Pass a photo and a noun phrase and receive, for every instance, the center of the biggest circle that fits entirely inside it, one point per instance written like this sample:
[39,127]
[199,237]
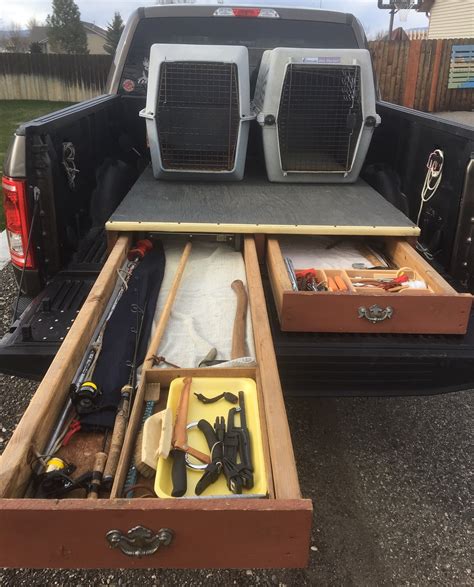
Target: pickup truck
[67,245]
[69,175]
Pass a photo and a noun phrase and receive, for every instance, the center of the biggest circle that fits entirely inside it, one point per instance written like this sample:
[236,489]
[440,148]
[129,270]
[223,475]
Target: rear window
[257,34]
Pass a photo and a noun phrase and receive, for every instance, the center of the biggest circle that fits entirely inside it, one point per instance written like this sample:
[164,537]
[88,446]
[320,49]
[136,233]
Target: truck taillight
[16,220]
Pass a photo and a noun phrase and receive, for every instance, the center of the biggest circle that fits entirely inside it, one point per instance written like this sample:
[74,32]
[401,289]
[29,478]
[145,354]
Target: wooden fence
[416,74]
[411,73]
[68,78]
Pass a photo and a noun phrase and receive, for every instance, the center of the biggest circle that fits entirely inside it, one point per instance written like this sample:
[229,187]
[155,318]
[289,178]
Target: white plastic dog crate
[198,111]
[317,112]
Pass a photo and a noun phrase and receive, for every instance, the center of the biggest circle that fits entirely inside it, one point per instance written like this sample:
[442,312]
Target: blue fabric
[113,367]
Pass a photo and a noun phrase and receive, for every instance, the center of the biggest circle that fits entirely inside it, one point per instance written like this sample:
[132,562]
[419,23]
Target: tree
[33,23]
[36,47]
[114,30]
[16,41]
[66,33]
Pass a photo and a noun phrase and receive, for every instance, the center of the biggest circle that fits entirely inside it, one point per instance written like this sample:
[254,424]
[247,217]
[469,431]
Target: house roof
[39,34]
[95,29]
[426,6]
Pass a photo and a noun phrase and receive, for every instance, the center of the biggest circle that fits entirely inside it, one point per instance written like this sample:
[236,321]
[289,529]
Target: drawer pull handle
[375,313]
[139,541]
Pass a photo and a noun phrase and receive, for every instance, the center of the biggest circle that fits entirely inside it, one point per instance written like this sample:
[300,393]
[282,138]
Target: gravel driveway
[390,479]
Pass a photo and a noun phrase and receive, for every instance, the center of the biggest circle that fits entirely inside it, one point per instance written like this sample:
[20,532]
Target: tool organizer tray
[255,205]
[435,308]
[118,532]
[213,386]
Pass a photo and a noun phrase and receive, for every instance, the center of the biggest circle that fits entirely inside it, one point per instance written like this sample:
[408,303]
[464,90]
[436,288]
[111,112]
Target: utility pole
[390,27]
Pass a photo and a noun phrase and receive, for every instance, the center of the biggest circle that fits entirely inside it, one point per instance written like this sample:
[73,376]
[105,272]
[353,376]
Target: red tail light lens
[16,219]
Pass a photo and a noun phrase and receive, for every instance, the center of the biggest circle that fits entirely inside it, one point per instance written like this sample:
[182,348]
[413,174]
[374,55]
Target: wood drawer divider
[285,475]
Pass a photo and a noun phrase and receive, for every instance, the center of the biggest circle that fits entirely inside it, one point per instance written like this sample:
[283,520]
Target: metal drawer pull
[375,313]
[139,541]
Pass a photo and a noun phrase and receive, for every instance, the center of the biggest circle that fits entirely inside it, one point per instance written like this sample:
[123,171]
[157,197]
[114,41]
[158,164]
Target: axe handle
[238,335]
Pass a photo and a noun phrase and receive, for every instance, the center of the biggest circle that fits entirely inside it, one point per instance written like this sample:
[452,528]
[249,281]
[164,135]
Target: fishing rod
[84,390]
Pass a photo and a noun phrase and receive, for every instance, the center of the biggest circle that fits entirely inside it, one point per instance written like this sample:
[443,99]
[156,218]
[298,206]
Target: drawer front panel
[236,533]
[375,314]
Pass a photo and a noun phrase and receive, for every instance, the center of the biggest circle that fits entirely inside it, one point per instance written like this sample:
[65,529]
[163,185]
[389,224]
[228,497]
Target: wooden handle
[99,466]
[118,434]
[197,454]
[180,437]
[165,313]
[238,335]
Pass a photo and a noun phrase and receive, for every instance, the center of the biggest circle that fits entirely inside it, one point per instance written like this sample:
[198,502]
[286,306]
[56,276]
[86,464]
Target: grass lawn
[12,114]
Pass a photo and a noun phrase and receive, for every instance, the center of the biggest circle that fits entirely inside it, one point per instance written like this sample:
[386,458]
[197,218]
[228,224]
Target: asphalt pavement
[390,480]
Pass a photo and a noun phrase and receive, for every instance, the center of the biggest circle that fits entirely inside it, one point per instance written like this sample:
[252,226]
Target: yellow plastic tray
[211,386]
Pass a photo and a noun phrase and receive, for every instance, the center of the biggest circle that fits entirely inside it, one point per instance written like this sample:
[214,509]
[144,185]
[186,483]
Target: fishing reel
[55,481]
[85,398]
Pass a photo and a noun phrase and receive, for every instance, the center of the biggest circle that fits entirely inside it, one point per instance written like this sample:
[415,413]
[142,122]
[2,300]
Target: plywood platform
[255,205]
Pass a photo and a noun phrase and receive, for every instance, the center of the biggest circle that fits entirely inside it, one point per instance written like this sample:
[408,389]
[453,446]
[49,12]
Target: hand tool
[385,284]
[332,286]
[156,440]
[215,439]
[291,273]
[238,332]
[237,441]
[227,395]
[341,284]
[307,280]
[152,396]
[180,443]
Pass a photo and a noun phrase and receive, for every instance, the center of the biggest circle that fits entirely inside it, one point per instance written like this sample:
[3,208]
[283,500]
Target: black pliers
[215,441]
[237,442]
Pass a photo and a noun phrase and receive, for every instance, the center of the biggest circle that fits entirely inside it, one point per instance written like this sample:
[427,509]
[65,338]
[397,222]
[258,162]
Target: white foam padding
[322,252]
[203,313]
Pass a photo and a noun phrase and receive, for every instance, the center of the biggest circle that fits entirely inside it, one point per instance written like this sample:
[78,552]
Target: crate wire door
[198,115]
[320,118]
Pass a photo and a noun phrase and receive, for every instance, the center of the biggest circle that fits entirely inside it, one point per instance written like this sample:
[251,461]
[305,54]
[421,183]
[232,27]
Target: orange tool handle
[140,249]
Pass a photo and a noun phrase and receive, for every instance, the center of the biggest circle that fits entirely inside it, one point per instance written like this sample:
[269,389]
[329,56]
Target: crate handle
[375,313]
[139,541]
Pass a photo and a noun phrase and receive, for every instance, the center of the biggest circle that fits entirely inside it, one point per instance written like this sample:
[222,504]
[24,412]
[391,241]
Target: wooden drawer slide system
[143,533]
[436,310]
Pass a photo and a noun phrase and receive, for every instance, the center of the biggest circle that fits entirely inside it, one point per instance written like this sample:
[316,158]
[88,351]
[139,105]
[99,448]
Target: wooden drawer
[437,310]
[225,532]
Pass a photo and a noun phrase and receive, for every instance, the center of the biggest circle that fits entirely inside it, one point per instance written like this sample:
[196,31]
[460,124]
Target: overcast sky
[101,11]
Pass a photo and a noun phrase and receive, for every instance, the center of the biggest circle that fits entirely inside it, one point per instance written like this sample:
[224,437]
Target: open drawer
[191,533]
[417,299]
